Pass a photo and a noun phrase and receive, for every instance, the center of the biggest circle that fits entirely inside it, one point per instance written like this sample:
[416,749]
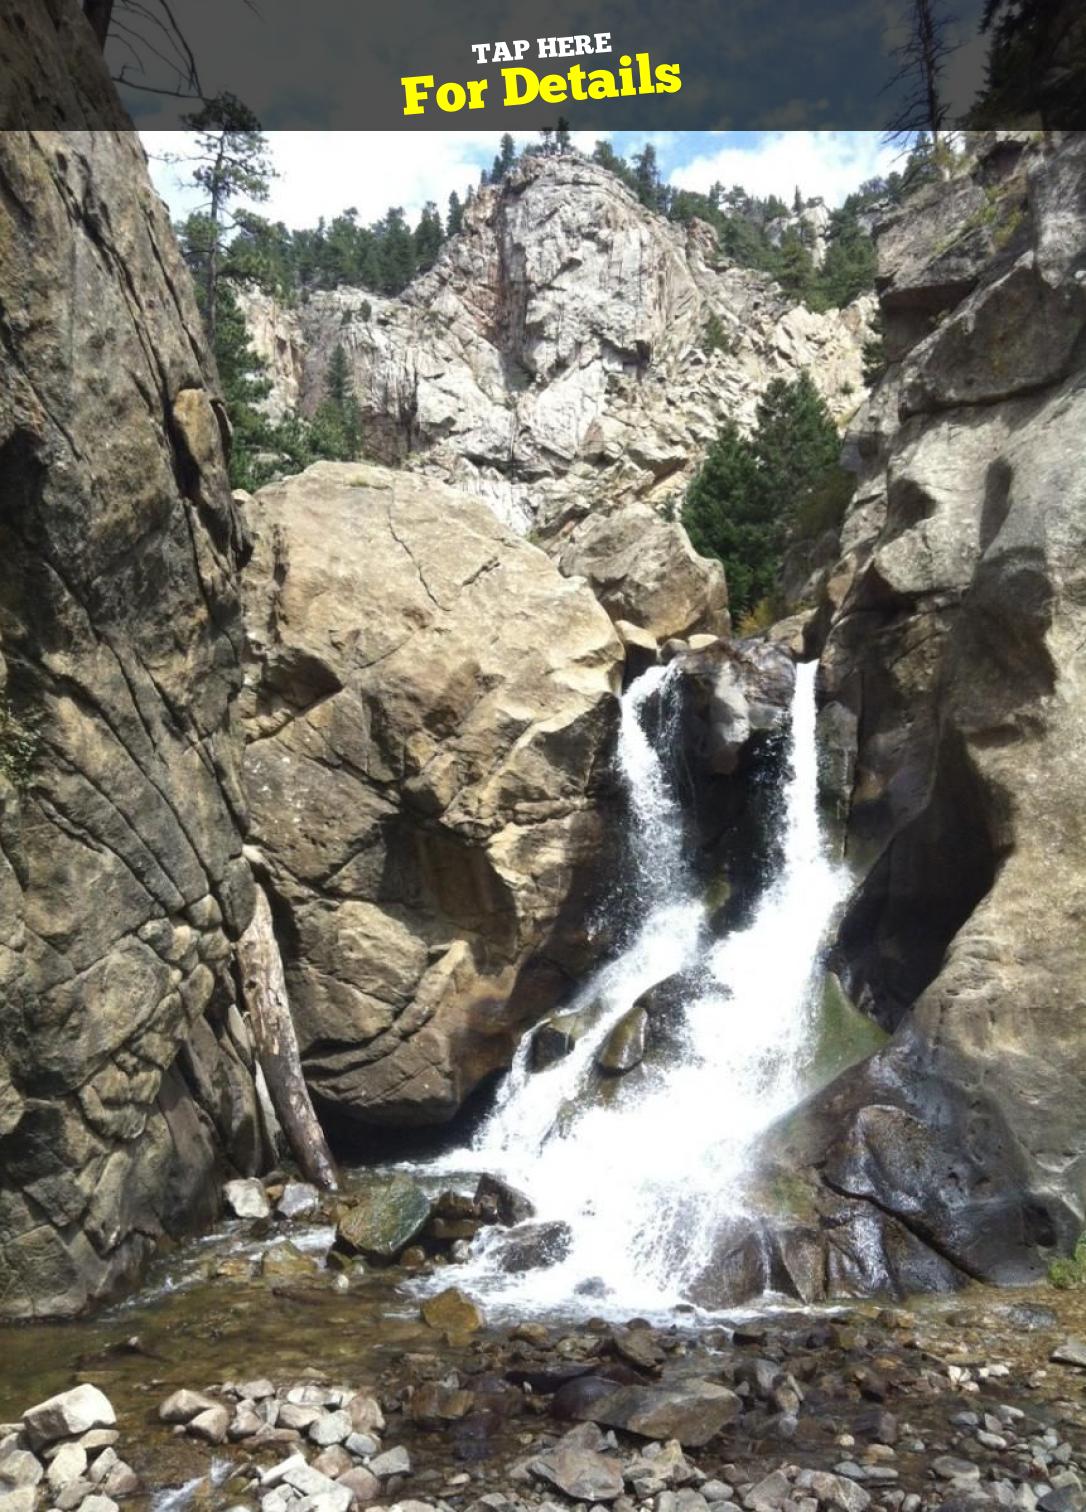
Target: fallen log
[276,1045]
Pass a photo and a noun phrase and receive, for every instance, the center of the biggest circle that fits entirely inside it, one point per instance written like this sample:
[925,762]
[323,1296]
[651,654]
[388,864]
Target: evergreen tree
[455,219]
[794,269]
[647,177]
[727,515]
[562,138]
[337,424]
[429,235]
[231,162]
[396,252]
[797,202]
[1036,65]
[507,156]
[751,493]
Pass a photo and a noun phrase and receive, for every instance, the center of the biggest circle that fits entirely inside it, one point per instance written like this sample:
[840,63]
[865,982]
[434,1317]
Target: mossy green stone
[385,1219]
[844,1034]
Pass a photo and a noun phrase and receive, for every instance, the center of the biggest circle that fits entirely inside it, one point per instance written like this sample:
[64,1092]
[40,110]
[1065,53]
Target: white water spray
[645,1175]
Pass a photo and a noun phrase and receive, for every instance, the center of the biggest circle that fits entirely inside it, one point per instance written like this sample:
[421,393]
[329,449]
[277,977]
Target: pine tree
[429,235]
[794,440]
[396,252]
[647,177]
[794,267]
[454,221]
[726,516]
[337,424]
[232,162]
[562,139]
[507,157]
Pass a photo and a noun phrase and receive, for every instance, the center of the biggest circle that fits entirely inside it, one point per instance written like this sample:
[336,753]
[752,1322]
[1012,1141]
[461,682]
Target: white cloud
[323,172]
[827,163]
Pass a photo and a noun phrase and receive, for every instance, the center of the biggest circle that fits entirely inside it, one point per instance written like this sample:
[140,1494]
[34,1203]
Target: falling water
[645,1176]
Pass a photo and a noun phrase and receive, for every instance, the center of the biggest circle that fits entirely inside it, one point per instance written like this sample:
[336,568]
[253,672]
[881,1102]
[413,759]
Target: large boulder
[123,1090]
[644,571]
[953,660]
[429,706]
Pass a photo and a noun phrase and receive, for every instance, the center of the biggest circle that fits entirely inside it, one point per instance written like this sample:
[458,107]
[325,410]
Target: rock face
[553,360]
[952,680]
[429,706]
[123,1088]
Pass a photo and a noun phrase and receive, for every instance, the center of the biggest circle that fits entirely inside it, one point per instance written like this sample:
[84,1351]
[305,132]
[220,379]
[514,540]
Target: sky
[322,173]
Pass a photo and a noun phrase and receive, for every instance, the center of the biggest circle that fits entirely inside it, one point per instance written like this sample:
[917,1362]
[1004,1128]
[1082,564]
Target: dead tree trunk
[277,1045]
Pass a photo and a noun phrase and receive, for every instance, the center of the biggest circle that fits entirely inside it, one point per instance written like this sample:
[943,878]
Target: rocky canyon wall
[954,715]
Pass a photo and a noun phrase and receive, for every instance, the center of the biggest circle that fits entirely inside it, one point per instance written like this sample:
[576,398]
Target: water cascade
[645,1174]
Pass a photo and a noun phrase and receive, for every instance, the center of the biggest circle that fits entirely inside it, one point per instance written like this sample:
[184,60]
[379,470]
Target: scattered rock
[580,1473]
[509,1207]
[184,1405]
[68,1414]
[299,1200]
[246,1197]
[452,1312]
[693,1412]
[393,1462]
[385,1220]
[1070,1352]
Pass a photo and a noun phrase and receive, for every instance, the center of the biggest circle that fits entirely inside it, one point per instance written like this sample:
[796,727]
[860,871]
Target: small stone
[256,1391]
[68,1414]
[1063,1499]
[286,1262]
[362,1445]
[20,1468]
[366,1414]
[275,1475]
[949,1467]
[717,1491]
[76,1494]
[68,1465]
[839,1491]
[295,1415]
[99,1438]
[581,1474]
[183,1406]
[21,1500]
[246,1198]
[452,1312]
[99,1503]
[333,1461]
[299,1200]
[122,1481]
[769,1494]
[331,1428]
[362,1484]
[211,1425]
[1070,1352]
[395,1461]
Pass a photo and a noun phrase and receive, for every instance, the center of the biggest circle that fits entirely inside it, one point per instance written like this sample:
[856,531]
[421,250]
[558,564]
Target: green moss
[1069,1272]
[845,1035]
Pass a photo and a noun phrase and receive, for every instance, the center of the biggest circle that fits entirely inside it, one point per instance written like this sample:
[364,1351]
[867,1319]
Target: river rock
[285,1261]
[531,1245]
[420,747]
[433,1404]
[365,1412]
[363,1485]
[624,1047]
[452,1312]
[21,1468]
[299,1200]
[692,1413]
[395,1461]
[384,1221]
[1070,1352]
[210,1425]
[68,1414]
[331,1428]
[581,1474]
[67,1465]
[508,1206]
[554,1038]
[246,1198]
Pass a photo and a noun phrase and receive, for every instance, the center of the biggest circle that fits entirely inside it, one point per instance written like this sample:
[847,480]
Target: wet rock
[497,1197]
[299,1200]
[68,1414]
[210,1425]
[362,1445]
[577,1398]
[624,1047]
[1063,1499]
[692,1412]
[950,1467]
[532,1246]
[452,1312]
[395,1461]
[581,1474]
[638,1348]
[98,1503]
[246,1198]
[553,1040]
[663,1471]
[385,1220]
[184,1405]
[835,1490]
[1070,1352]
[432,1405]
[287,1262]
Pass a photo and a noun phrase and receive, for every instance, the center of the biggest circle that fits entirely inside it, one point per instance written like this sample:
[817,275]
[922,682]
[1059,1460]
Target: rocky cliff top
[554,358]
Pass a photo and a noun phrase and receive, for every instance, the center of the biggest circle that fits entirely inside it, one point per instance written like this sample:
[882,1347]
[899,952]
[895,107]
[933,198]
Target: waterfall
[645,1174]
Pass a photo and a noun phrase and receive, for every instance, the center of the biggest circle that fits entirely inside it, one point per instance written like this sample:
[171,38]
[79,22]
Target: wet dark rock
[531,1246]
[638,1348]
[581,1473]
[692,1412]
[433,1405]
[624,1047]
[498,1202]
[452,1312]
[554,1038]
